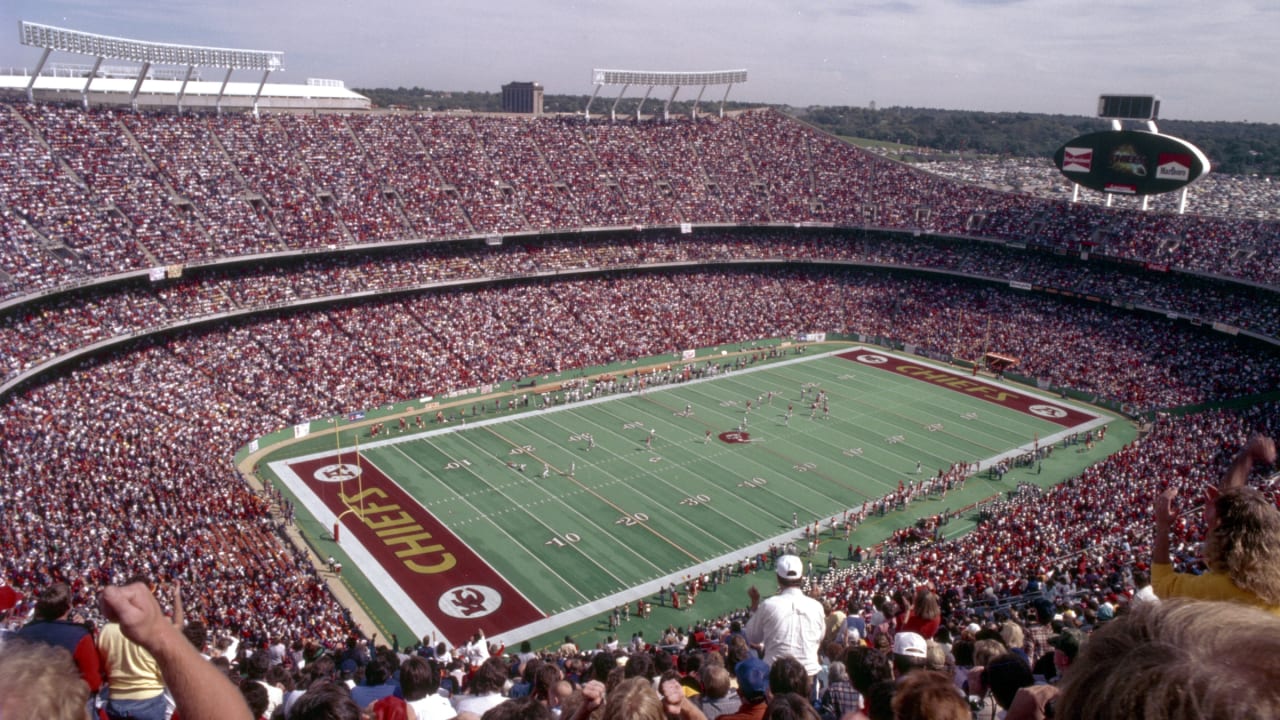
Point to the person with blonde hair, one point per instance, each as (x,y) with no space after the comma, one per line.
(1177,660)
(1242,545)
(633,699)
(39,681)
(929,695)
(925,616)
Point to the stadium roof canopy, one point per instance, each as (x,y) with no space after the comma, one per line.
(139,84)
(674,80)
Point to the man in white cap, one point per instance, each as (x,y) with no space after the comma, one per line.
(789,623)
(910,652)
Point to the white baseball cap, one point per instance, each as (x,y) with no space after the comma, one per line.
(910,644)
(789,567)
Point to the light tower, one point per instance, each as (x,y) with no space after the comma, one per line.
(652,79)
(146,54)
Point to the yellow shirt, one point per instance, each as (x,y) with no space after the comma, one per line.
(131,671)
(1210,586)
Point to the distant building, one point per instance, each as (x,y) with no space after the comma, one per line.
(522,97)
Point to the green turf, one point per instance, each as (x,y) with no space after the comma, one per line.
(632,514)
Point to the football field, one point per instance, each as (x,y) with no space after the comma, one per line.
(519,523)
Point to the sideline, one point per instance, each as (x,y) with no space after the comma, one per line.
(361,617)
(365,620)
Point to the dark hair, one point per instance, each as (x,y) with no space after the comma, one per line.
(1005,676)
(787,675)
(525,708)
(639,665)
(489,677)
(419,678)
(325,700)
(601,664)
(375,673)
(196,633)
(866,667)
(879,699)
(790,706)
(962,651)
(54,601)
(255,695)
(255,668)
(662,662)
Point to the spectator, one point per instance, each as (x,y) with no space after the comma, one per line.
(790,706)
(9,598)
(925,615)
(1032,702)
(635,698)
(378,683)
(199,690)
(485,690)
(929,695)
(1005,675)
(420,681)
(39,681)
(136,683)
(753,688)
(910,653)
(1178,660)
(789,623)
(1242,549)
(840,697)
(325,700)
(51,627)
(715,700)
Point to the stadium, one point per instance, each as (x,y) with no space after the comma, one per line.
(195,301)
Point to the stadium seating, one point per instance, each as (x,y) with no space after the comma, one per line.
(140,437)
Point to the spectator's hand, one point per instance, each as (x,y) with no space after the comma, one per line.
(135,608)
(754,594)
(1262,449)
(592,698)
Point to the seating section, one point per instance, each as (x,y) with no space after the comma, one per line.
(108,191)
(120,463)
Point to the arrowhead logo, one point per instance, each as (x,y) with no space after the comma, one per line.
(470,601)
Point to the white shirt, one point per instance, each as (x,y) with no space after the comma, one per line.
(433,707)
(477,704)
(789,624)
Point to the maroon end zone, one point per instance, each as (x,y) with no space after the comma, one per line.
(1063,415)
(457,591)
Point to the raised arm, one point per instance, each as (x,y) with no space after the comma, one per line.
(200,690)
(1260,449)
(1163,512)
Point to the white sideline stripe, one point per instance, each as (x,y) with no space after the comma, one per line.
(416,619)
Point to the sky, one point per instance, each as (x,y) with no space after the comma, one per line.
(1205,60)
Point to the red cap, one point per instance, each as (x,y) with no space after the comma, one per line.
(8,598)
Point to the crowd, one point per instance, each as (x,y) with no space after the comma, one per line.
(141,438)
(119,465)
(44,330)
(106,191)
(1042,611)
(1215,194)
